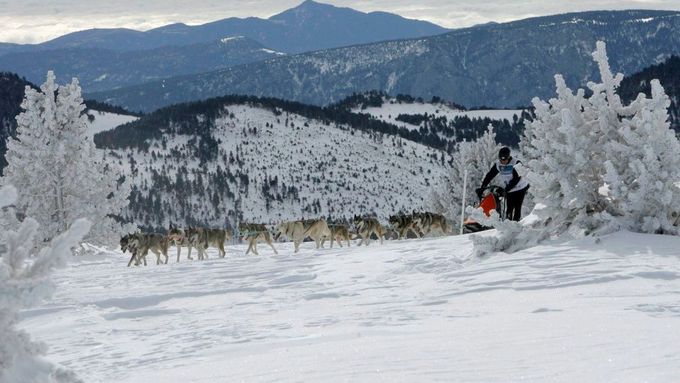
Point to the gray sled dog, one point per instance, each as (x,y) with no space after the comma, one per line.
(293,230)
(217,238)
(402,224)
(201,238)
(139,245)
(430,222)
(339,233)
(129,243)
(390,233)
(366,227)
(254,233)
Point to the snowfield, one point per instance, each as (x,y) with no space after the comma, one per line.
(391,109)
(406,311)
(104,121)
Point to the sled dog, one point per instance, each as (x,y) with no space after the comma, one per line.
(339,233)
(293,230)
(366,227)
(139,245)
(390,234)
(129,243)
(179,238)
(254,233)
(217,238)
(430,222)
(318,231)
(402,224)
(202,238)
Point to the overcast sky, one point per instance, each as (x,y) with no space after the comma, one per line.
(32,21)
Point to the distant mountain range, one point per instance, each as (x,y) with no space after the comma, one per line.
(106,59)
(502,65)
(101,69)
(309,26)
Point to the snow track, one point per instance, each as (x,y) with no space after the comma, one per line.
(412,310)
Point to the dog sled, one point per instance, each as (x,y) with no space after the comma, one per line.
(492,199)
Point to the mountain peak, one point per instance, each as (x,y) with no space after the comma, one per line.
(310,8)
(313,4)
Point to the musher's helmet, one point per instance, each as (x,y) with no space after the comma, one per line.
(504,153)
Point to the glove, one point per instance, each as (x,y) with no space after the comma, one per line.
(479,192)
(501,192)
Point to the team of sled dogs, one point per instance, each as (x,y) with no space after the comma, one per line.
(417,224)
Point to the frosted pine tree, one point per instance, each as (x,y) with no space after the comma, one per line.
(599,165)
(56,168)
(475,156)
(24,281)
(566,158)
(643,166)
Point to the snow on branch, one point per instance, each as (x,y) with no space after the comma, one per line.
(24,282)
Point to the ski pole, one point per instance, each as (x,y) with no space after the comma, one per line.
(462,208)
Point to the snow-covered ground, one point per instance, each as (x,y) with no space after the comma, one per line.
(391,109)
(106,121)
(406,311)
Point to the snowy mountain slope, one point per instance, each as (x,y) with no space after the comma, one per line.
(269,166)
(103,121)
(504,65)
(437,123)
(412,310)
(390,110)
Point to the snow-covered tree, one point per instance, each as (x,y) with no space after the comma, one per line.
(56,168)
(475,156)
(598,165)
(643,166)
(24,281)
(564,145)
